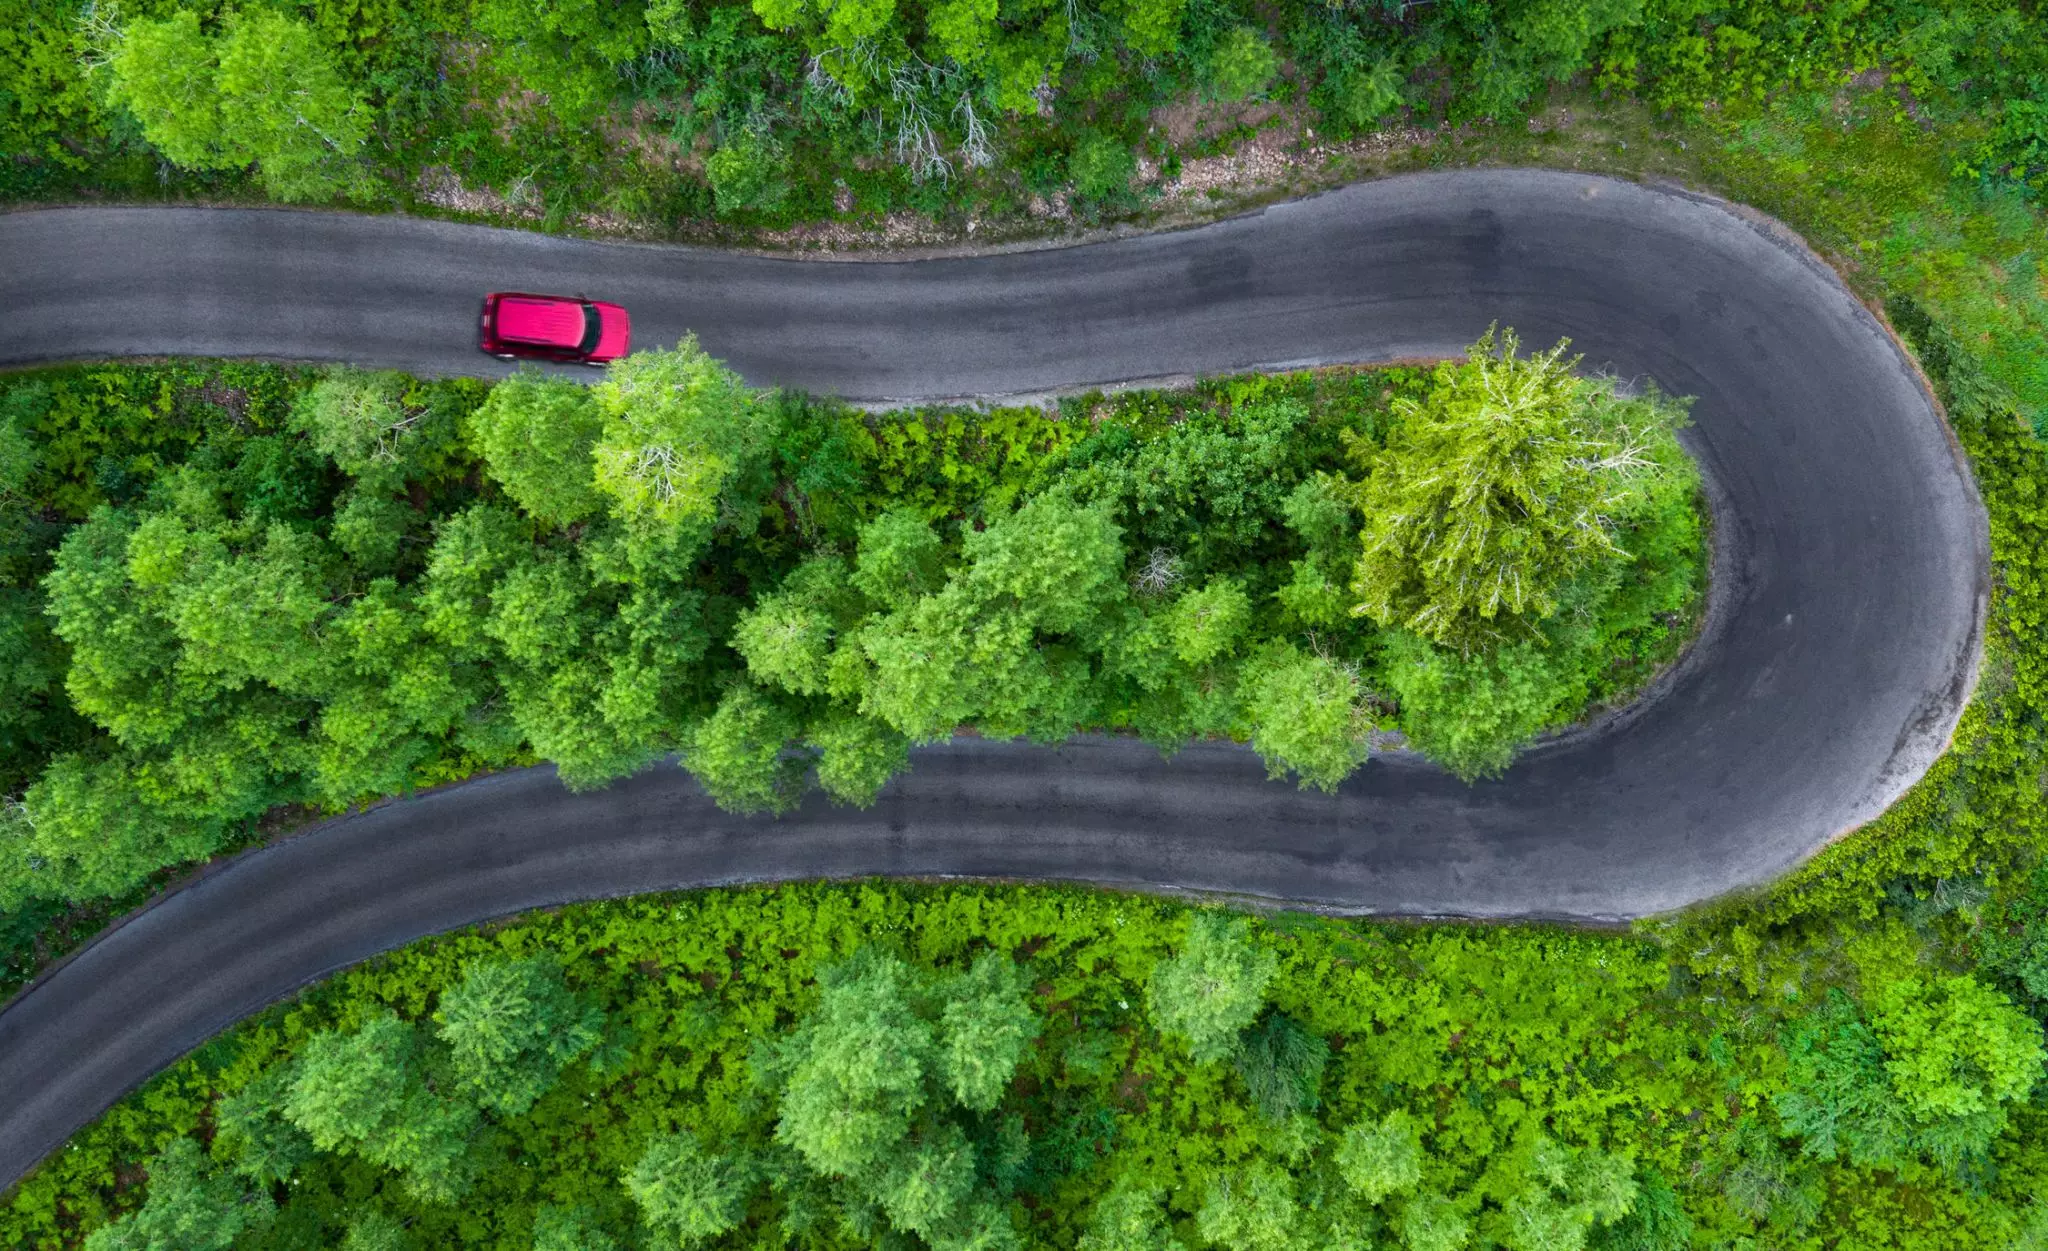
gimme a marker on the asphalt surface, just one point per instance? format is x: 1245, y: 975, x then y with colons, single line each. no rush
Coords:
x: 1851, y: 574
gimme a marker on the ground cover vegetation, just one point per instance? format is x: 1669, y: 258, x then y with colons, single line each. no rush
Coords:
x: 673, y: 114
x: 902, y: 1066
x: 245, y: 591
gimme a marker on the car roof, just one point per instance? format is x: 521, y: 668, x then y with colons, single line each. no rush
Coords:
x: 549, y: 320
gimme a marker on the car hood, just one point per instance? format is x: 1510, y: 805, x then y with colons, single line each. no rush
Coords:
x: 617, y: 334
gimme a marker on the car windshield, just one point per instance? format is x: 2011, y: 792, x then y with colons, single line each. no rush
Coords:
x: 593, y: 329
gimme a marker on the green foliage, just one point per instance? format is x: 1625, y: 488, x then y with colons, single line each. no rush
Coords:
x: 1213, y: 989
x: 1515, y: 1086
x: 685, y: 1195
x: 535, y: 433
x: 1471, y: 713
x: 1512, y: 481
x: 186, y: 1210
x: 511, y: 1028
x: 747, y: 175
x: 1129, y: 1219
x: 1242, y: 64
x: 265, y: 91
x: 866, y: 1081
x: 1382, y: 1159
x: 1308, y: 715
x: 1102, y: 168
x: 677, y: 427
x: 737, y: 753
x: 1282, y: 1065
x: 368, y: 1092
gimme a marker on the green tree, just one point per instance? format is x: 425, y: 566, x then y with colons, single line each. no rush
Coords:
x: 1242, y: 64
x: 251, y: 1133
x: 872, y: 1084
x: 1307, y: 714
x: 898, y: 559
x: 285, y: 105
x: 1383, y: 1159
x: 185, y: 1209
x: 1102, y: 166
x: 377, y: 1230
x: 787, y: 636
x: 1252, y: 1207
x: 1509, y: 480
x: 265, y: 92
x: 687, y: 1195
x: 1207, y: 624
x: 984, y: 1030
x: 536, y: 433
x: 1959, y: 1054
x: 1129, y: 1218
x: 988, y: 647
x: 857, y: 756
x: 559, y: 1228
x: 739, y: 753
x: 367, y: 1091
x: 677, y: 428
x: 1281, y: 1064
x: 511, y: 1027
x: 1471, y: 712
x: 1432, y: 1222
x: 748, y: 174
x: 1209, y: 992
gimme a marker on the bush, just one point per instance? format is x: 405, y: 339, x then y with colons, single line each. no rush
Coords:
x: 1242, y: 64
x: 1102, y: 168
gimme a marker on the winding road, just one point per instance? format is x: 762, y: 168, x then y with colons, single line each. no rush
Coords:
x: 1851, y: 574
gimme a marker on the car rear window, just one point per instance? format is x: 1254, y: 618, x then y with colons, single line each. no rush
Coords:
x: 553, y: 323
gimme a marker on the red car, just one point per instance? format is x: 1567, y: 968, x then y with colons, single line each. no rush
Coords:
x: 553, y: 328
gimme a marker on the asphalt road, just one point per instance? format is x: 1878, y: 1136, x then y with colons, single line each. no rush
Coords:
x: 1851, y: 574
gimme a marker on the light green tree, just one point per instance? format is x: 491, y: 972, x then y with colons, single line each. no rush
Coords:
x: 1509, y: 480
x: 251, y: 1133
x: 1242, y: 64
x: 856, y: 756
x: 687, y: 1195
x: 1213, y: 988
x: 739, y: 752
x: 266, y: 92
x: 984, y: 1030
x: 1251, y: 1207
x: 872, y: 1084
x: 377, y: 1230
x: 511, y: 1027
x: 366, y: 1091
x: 1307, y: 714
x: 898, y: 559
x: 986, y: 647
x: 1432, y: 1222
x: 1207, y: 624
x: 677, y: 427
x: 1382, y: 1159
x: 559, y: 1228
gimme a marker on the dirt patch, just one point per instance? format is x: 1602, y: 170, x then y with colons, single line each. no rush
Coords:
x: 442, y: 187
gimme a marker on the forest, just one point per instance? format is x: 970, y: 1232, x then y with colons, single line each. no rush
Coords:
x: 788, y: 592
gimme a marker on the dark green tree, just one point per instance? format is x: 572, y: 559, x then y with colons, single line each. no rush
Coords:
x: 186, y: 1210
